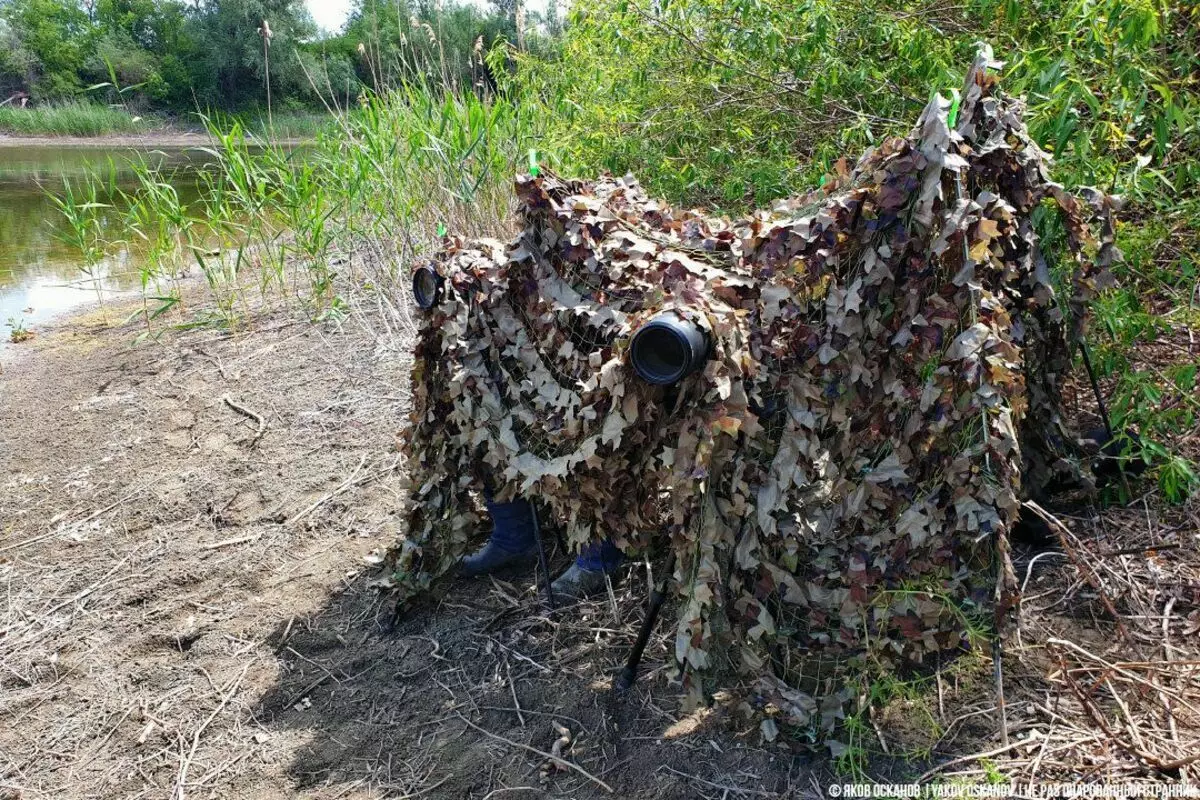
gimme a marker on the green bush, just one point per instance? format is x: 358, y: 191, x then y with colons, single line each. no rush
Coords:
x: 738, y: 102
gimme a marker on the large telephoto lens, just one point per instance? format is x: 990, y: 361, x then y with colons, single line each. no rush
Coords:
x: 426, y: 286
x: 667, y: 349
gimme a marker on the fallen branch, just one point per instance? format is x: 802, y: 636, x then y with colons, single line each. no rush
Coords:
x: 346, y: 484
x: 542, y: 753
x: 247, y: 412
x: 178, y: 792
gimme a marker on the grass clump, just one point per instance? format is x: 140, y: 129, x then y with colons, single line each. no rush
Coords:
x: 314, y: 225
x: 72, y: 118
x: 287, y: 125
x: 17, y: 332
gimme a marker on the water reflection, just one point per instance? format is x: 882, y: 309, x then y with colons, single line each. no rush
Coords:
x: 39, y: 274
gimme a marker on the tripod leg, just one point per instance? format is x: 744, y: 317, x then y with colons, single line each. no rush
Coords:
x: 1087, y: 364
x: 543, y: 564
x: 657, y: 596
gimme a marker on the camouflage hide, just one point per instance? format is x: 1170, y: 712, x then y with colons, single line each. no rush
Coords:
x: 882, y: 391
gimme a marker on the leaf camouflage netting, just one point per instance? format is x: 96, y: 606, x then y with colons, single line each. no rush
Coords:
x: 882, y: 390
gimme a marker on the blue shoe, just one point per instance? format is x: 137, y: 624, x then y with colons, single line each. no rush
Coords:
x: 585, y: 578
x: 512, y: 540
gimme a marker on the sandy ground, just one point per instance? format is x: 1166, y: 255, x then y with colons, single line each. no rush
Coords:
x: 163, y: 139
x: 187, y: 611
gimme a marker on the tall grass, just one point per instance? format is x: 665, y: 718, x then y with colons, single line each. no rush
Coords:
x: 286, y: 124
x: 85, y: 118
x: 72, y: 118
x: 329, y: 224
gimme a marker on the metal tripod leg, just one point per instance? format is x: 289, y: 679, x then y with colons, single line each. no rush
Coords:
x: 543, y: 564
x: 1091, y: 373
x: 657, y: 596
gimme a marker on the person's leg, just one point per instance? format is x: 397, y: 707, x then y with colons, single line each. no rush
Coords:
x: 512, y: 540
x: 586, y: 576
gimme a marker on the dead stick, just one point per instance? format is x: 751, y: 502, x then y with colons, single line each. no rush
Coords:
x: 346, y: 484
x: 1117, y: 668
x: 247, y: 412
x: 108, y: 507
x: 972, y: 757
x: 1132, y: 749
x: 228, y: 542
x: 1166, y: 701
x: 543, y: 754
x: 178, y: 793
x: 513, y: 688
x: 1096, y: 716
x: 998, y: 681
x: 1088, y: 573
x: 34, y: 540
x: 723, y: 787
x: 56, y: 531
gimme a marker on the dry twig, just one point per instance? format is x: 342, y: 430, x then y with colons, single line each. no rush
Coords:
x: 557, y: 760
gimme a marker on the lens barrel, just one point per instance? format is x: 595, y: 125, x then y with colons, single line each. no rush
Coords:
x: 426, y: 287
x: 667, y: 349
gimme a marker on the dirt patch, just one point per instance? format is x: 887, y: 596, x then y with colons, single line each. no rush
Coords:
x: 188, y: 611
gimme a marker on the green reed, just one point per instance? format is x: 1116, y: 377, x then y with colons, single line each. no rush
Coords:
x: 72, y: 118
x: 322, y: 224
x: 85, y: 232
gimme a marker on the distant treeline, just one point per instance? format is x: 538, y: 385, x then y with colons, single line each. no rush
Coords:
x: 170, y: 55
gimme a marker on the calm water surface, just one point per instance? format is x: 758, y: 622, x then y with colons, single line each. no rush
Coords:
x: 39, y: 274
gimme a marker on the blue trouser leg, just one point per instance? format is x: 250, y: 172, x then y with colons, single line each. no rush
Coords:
x: 512, y: 540
x: 599, y: 557
x: 512, y: 525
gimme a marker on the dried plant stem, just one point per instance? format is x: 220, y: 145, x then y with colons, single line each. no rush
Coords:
x: 548, y: 756
x: 178, y: 792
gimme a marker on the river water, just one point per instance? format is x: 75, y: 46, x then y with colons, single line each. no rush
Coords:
x: 39, y: 274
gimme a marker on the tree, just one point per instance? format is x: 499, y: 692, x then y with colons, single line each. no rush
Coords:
x: 232, y: 67
x: 135, y: 38
x: 442, y: 43
x: 181, y: 54
x: 55, y: 35
x: 16, y: 62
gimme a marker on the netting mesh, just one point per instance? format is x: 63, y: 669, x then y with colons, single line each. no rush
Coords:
x: 882, y: 386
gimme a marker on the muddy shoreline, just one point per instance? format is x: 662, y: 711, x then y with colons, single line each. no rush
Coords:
x: 148, y: 140
x: 143, y: 141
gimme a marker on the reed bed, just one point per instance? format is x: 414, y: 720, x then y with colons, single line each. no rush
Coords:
x: 73, y: 118
x: 322, y: 225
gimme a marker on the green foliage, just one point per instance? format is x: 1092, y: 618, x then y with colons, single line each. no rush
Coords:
x: 406, y: 41
x: 738, y: 102
x: 82, y: 208
x: 54, y: 35
x: 383, y: 177
x: 17, y: 332
x: 211, y: 54
x: 1159, y: 287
